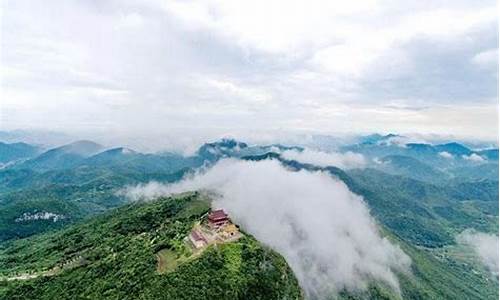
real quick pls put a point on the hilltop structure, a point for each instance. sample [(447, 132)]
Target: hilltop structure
[(197, 239), (216, 228), (218, 218)]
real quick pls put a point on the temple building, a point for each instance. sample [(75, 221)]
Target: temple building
[(197, 239), (217, 218)]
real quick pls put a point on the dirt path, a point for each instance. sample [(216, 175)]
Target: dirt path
[(69, 264)]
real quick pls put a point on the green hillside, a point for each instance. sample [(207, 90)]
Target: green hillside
[(113, 256)]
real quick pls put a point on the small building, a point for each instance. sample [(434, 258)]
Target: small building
[(217, 218), (197, 239)]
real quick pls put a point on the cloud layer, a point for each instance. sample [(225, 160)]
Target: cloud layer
[(347, 160), (474, 157), (138, 67), (485, 246), (323, 230)]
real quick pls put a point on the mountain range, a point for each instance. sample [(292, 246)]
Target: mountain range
[(67, 201)]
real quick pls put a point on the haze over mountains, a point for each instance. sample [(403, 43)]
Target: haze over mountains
[(413, 199)]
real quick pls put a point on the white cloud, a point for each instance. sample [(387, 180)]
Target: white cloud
[(282, 25), (345, 59), (347, 160), (239, 93), (300, 65), (130, 21), (473, 157), (445, 154), (487, 58), (323, 230), (402, 141), (485, 246)]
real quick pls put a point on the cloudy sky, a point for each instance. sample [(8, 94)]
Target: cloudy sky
[(319, 66)]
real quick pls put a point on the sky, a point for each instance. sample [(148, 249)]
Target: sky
[(151, 67)]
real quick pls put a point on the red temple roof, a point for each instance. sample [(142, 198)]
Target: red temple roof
[(217, 215), (196, 236)]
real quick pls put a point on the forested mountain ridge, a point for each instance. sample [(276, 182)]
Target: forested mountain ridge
[(114, 256), (421, 204)]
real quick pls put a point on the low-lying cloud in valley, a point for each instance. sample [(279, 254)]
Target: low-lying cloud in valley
[(324, 231), (347, 160), (474, 158), (445, 154), (484, 245)]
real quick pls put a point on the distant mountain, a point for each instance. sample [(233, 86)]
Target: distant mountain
[(63, 157), (476, 172), (71, 174), (420, 149), (374, 139), (111, 156), (71, 182), (484, 190), (17, 151), (35, 137), (441, 156), (490, 154), (222, 148), (454, 148), (410, 167), (232, 148), (419, 198), (128, 160)]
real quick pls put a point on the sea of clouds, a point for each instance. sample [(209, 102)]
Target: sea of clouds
[(324, 231)]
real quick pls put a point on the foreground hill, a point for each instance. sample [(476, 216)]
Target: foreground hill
[(117, 256), (114, 257)]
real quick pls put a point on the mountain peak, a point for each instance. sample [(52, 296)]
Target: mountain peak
[(454, 148), (230, 143), (221, 147), (82, 147), (121, 150), (377, 138)]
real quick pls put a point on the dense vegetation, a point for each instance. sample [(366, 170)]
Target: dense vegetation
[(426, 214), (113, 256), (420, 199), (16, 151), (78, 181), (116, 260)]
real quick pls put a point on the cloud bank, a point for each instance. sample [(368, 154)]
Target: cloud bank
[(324, 231), (150, 66), (473, 157), (347, 160), (445, 154), (484, 245)]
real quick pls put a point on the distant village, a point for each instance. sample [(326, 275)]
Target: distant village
[(216, 227)]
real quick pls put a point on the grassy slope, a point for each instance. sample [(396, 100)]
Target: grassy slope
[(118, 260)]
